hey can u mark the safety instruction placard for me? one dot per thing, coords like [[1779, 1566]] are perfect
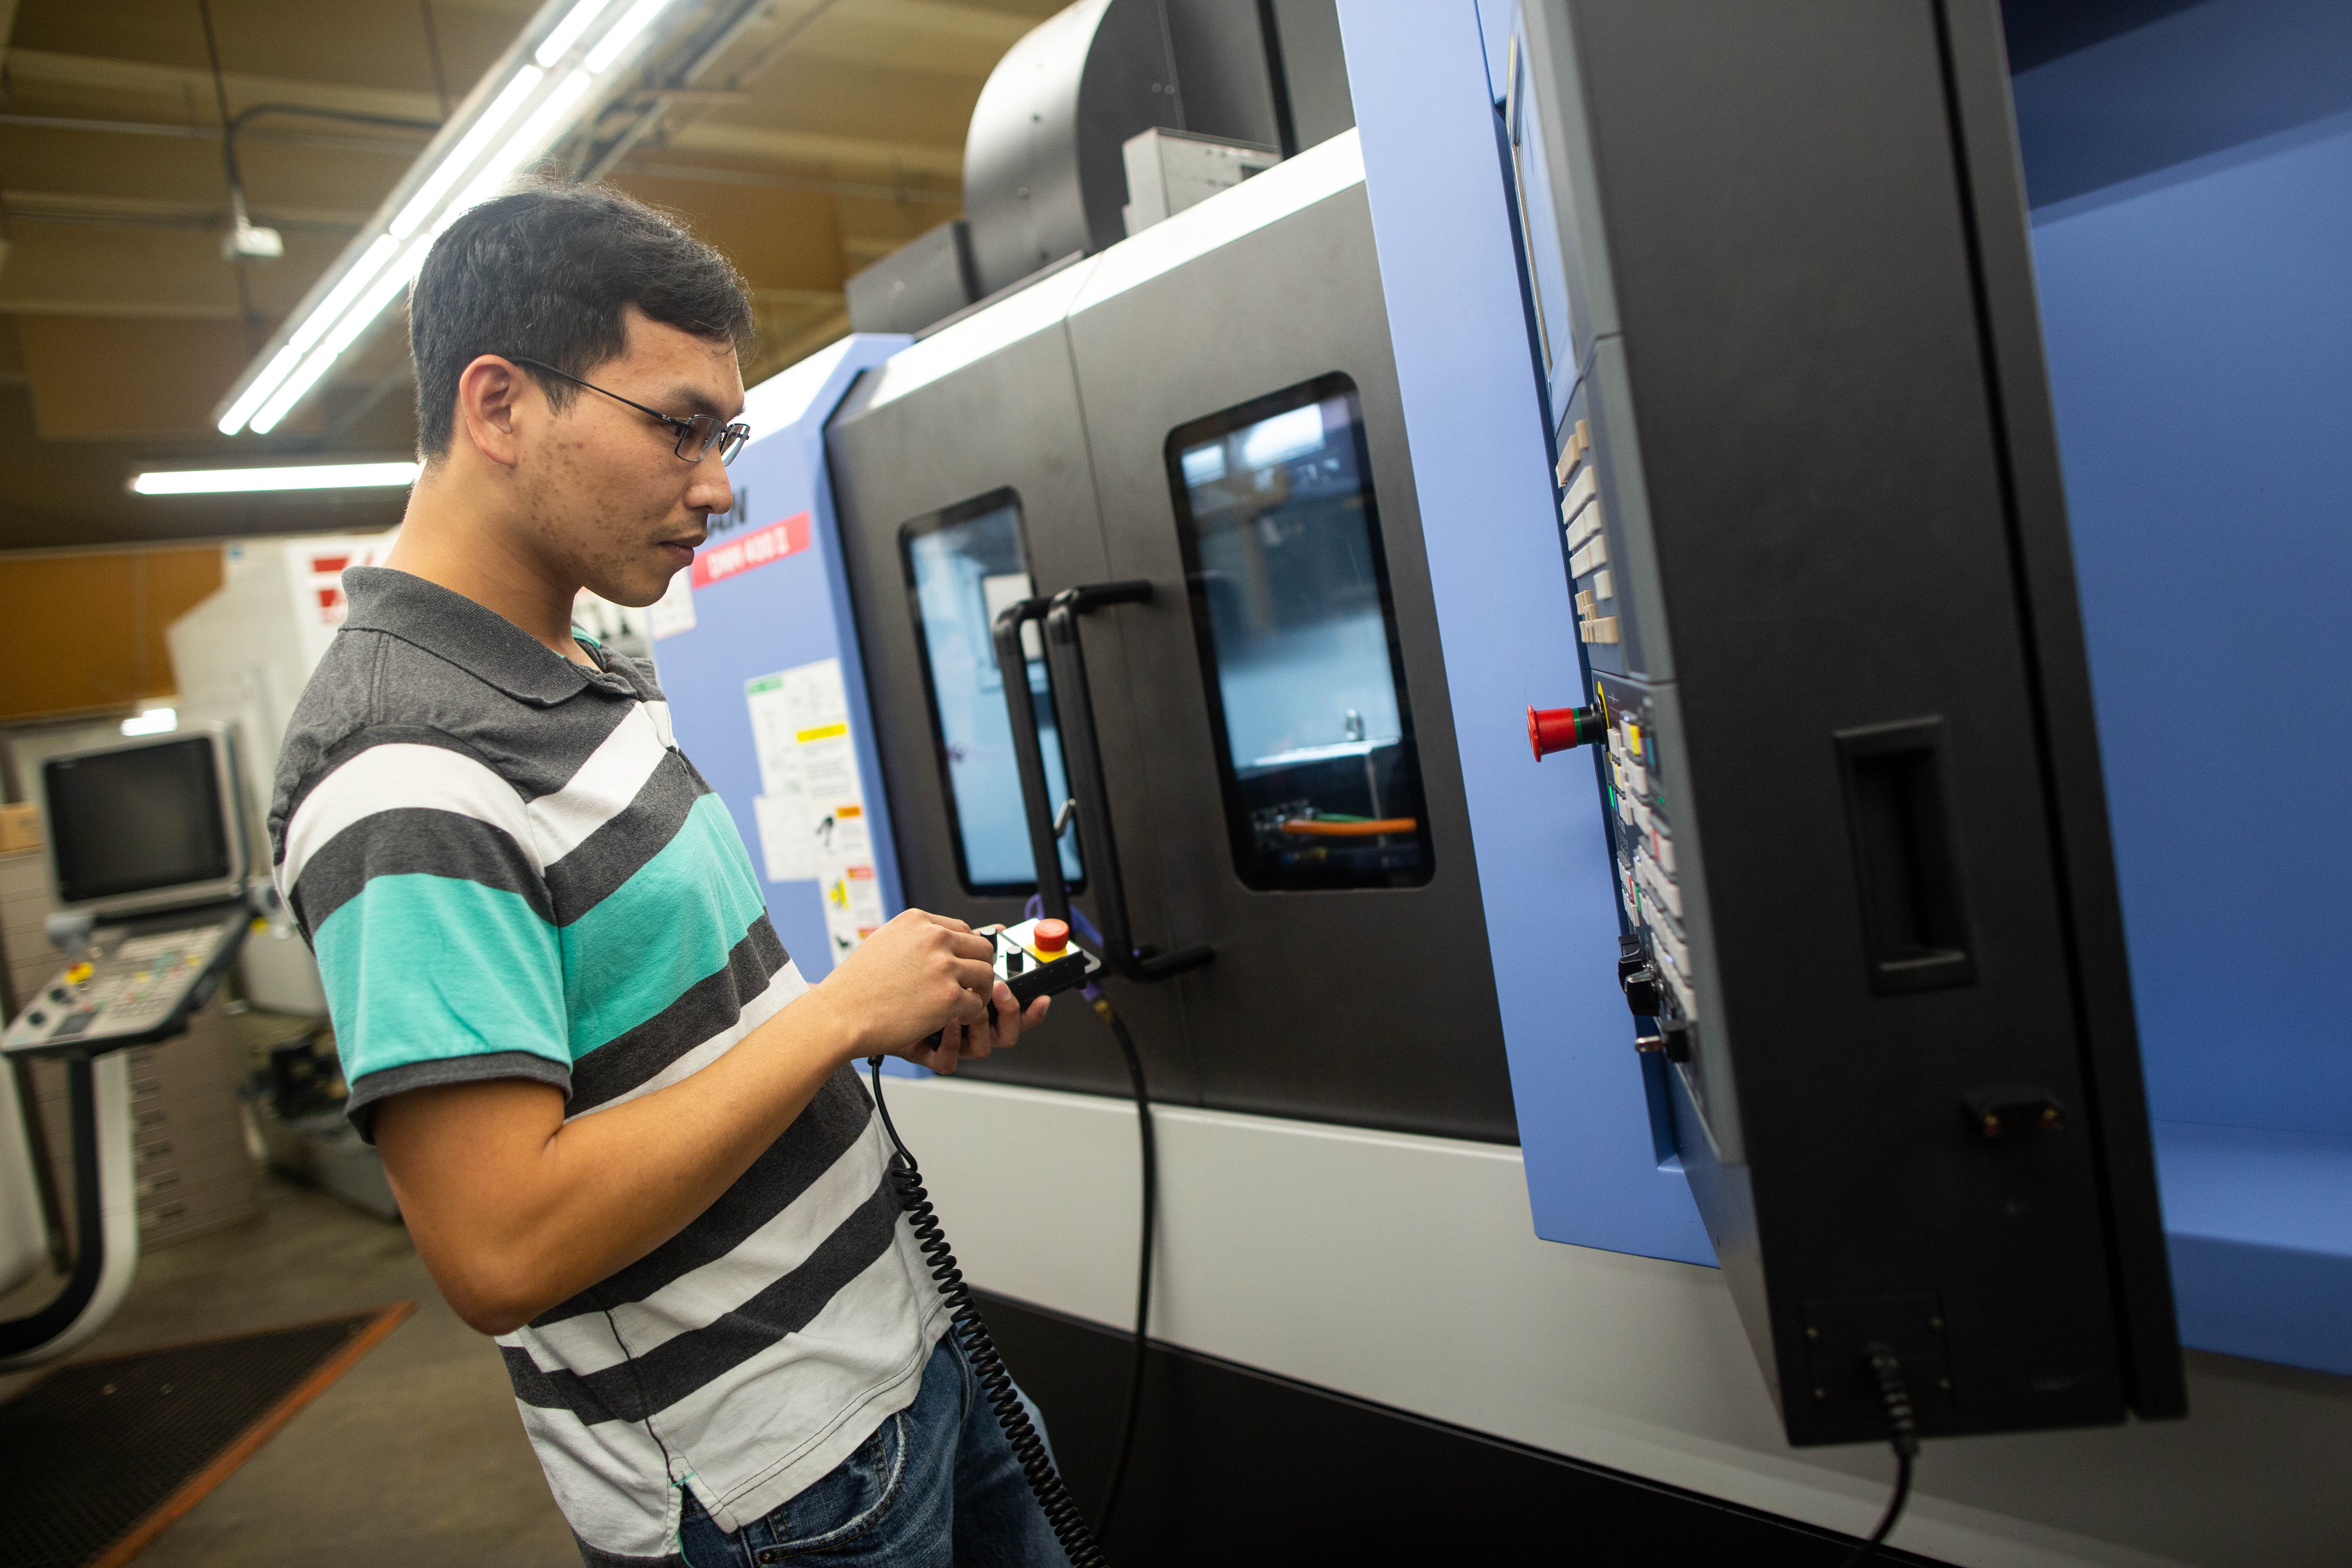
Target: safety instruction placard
[[811, 810]]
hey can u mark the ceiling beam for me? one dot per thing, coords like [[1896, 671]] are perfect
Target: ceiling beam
[[188, 93]]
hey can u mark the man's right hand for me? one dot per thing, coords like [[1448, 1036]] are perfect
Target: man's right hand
[[910, 979]]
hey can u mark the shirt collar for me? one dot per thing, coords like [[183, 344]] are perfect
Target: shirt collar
[[472, 637]]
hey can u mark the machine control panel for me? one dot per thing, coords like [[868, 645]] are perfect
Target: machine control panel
[[136, 984]]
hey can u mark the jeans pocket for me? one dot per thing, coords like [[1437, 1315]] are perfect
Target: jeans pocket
[[849, 1502]]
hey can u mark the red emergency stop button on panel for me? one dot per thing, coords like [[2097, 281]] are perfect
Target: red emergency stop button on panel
[[1052, 937], [1553, 729]]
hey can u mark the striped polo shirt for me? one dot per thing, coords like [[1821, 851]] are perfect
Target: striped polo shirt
[[509, 870]]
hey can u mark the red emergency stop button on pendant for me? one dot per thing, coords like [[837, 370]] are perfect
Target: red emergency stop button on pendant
[[1553, 729], [1051, 939]]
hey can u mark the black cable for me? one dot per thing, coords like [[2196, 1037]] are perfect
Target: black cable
[[1069, 1525], [1143, 1262], [233, 123], [1903, 1432]]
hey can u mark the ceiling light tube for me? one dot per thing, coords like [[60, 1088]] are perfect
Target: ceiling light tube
[[624, 31], [307, 477], [529, 141], [261, 386], [467, 156], [567, 32], [355, 322], [461, 157]]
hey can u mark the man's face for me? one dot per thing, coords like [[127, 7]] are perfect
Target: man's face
[[612, 504]]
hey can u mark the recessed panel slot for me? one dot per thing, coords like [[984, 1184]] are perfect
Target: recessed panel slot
[[1915, 923]]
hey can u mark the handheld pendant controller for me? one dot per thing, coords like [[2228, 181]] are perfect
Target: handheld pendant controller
[[1037, 958]]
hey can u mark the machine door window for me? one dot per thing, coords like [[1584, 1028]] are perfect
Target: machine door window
[[963, 565], [1298, 643]]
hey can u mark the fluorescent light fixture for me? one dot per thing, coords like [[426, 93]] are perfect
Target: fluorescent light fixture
[[461, 157], [515, 113], [625, 33], [529, 143], [567, 32], [272, 374], [306, 477], [356, 321], [152, 721]]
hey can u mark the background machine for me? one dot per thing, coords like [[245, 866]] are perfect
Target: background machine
[[150, 863]]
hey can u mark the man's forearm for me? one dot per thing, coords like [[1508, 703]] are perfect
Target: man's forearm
[[515, 1210]]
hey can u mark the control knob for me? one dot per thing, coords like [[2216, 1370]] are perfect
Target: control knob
[[1643, 994]]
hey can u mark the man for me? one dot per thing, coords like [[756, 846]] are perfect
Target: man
[[623, 1131]]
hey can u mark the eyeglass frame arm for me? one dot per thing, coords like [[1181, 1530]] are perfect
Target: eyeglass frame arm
[[685, 428]]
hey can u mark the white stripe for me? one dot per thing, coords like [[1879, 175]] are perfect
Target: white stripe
[[586, 1343], [397, 776], [782, 986], [764, 1433], [602, 789], [609, 1479], [659, 713]]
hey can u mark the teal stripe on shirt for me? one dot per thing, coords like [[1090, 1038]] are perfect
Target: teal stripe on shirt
[[422, 968], [672, 922]]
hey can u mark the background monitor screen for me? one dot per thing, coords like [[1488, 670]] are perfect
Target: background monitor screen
[[136, 820]]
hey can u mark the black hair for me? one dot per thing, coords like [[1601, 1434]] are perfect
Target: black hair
[[545, 274]]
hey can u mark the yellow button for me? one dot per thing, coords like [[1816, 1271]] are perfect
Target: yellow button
[[78, 973]]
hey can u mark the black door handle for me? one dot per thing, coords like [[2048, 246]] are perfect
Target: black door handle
[[1082, 754], [1029, 754]]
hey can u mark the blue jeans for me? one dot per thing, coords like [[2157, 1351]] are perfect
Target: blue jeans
[[936, 1487]]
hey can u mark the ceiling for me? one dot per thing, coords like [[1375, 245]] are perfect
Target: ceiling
[[830, 133]]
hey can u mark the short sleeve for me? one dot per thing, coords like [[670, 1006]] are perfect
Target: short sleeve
[[410, 867]]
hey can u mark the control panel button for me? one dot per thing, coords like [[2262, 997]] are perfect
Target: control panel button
[[1052, 937], [1553, 729]]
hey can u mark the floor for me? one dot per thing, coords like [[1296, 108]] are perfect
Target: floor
[[414, 1455]]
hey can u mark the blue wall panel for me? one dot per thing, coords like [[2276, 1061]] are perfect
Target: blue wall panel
[[2200, 350]]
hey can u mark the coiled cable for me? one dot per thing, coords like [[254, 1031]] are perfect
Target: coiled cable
[[1069, 1525]]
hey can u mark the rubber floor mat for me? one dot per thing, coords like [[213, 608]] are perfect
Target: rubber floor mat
[[102, 1454]]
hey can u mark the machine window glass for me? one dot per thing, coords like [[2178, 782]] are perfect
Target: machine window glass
[[963, 565], [1298, 643]]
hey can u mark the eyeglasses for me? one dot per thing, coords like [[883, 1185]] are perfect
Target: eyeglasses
[[696, 437]]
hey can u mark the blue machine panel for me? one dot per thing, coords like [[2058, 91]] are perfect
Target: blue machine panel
[[790, 610], [1597, 1174]]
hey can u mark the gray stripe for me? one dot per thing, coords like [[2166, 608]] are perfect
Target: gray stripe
[[648, 1383], [825, 1131], [374, 1089], [703, 1009], [620, 846], [413, 840]]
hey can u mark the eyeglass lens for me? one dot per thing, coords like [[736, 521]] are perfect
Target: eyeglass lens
[[703, 431]]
